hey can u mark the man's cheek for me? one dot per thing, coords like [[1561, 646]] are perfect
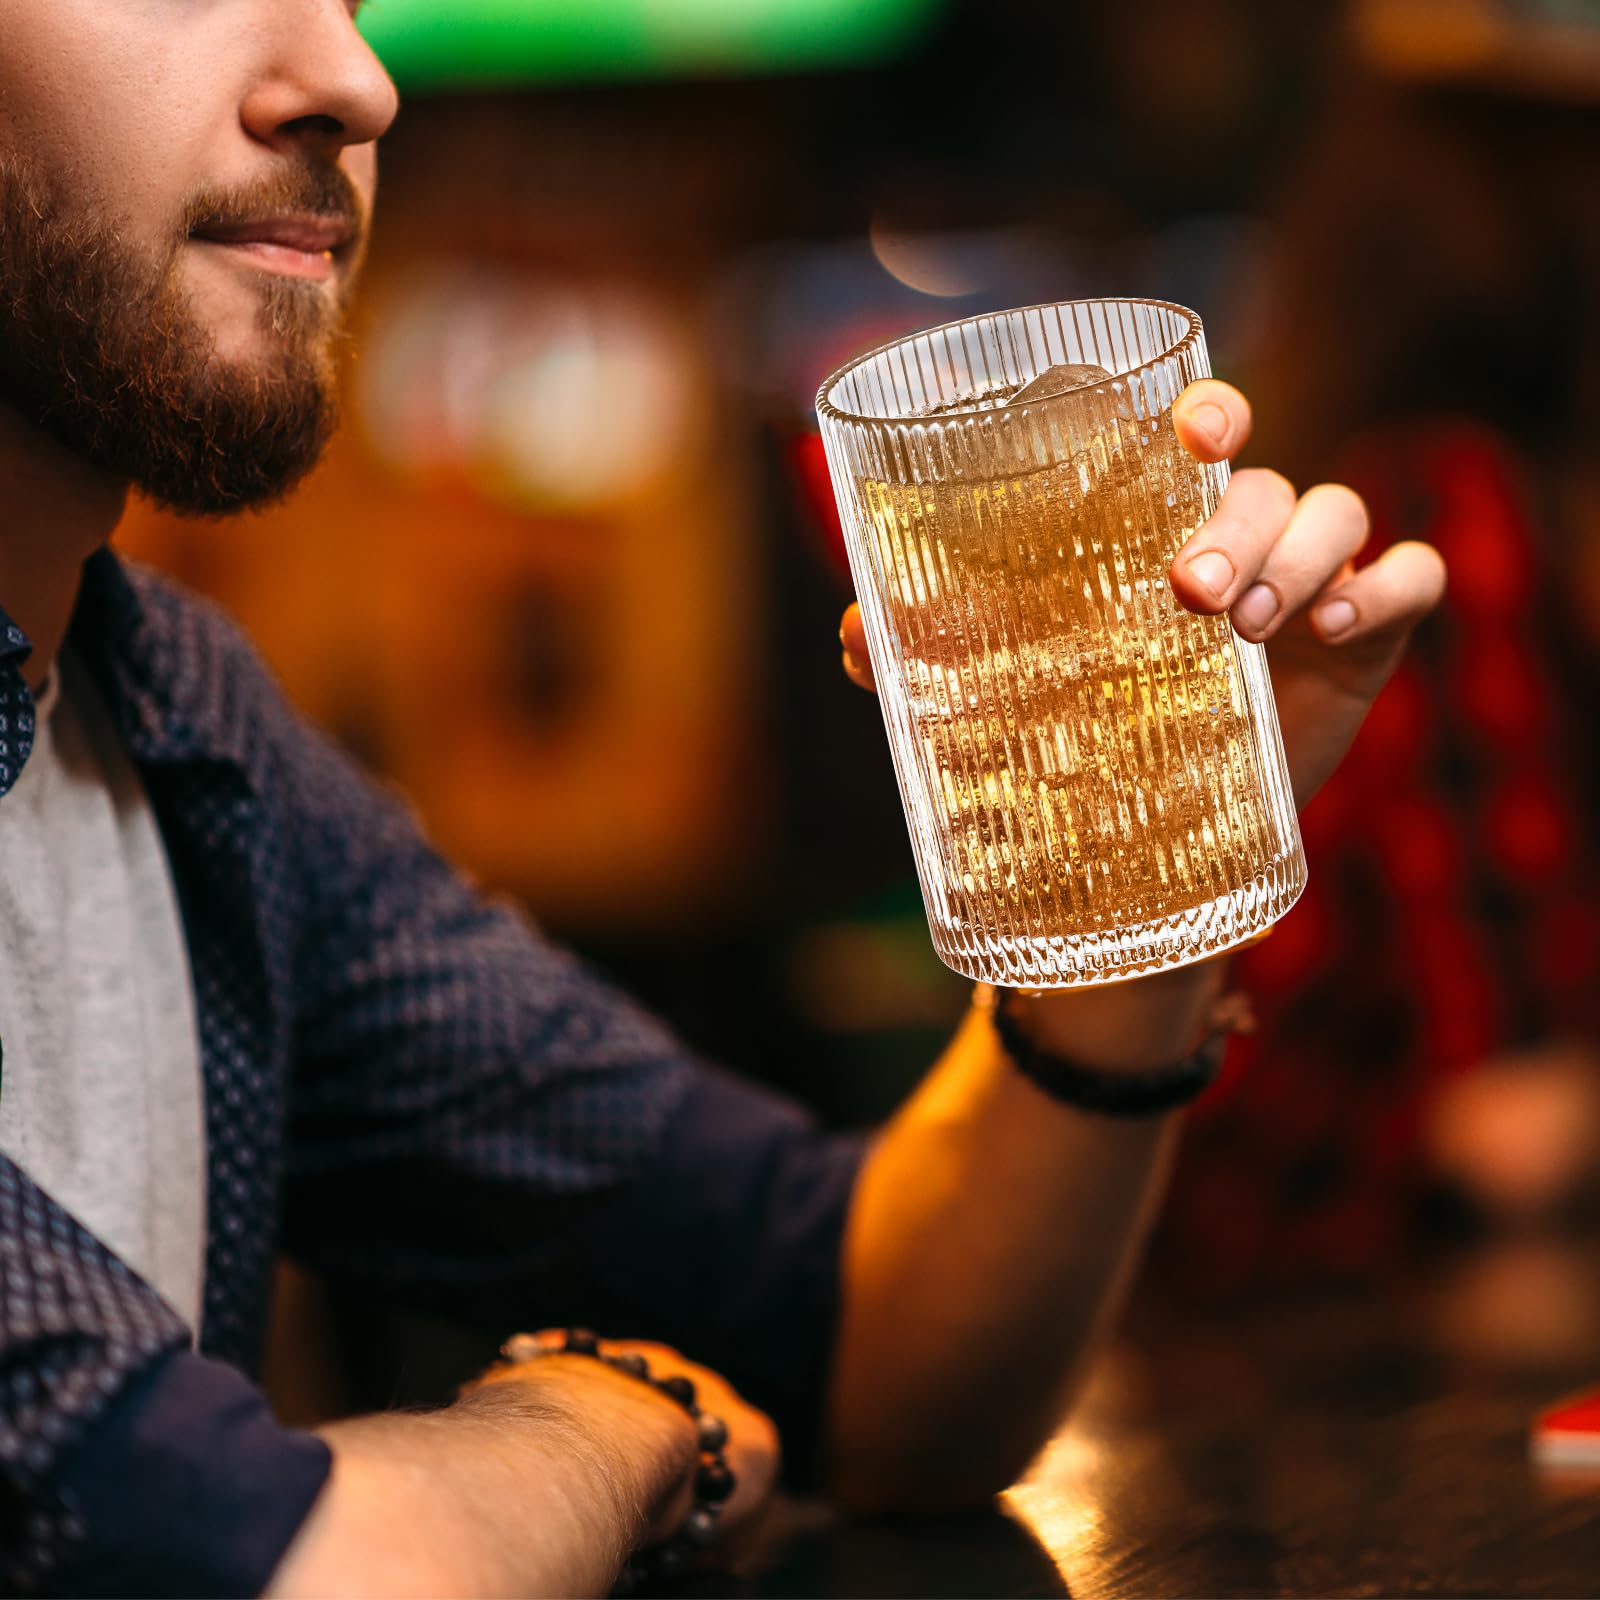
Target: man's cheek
[[360, 165]]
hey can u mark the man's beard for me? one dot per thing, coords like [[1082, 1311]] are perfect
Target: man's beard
[[101, 347]]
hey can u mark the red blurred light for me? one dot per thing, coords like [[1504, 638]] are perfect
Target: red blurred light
[[808, 462], [1421, 855], [1526, 828], [1394, 737], [1481, 527], [1564, 945], [1298, 944], [1497, 686]]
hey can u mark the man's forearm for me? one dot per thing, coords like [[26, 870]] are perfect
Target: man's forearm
[[508, 1492], [992, 1233]]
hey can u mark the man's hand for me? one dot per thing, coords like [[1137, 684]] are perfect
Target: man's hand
[[752, 1450], [539, 1480], [1283, 569]]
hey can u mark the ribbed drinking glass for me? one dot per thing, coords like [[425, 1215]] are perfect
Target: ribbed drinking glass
[[1093, 776]]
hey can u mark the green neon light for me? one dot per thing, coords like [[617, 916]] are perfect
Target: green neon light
[[435, 44]]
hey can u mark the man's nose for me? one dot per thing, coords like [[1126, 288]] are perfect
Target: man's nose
[[320, 82]]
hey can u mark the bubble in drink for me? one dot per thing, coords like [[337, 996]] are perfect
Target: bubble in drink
[[1062, 379]]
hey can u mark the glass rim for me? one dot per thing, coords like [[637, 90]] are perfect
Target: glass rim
[[827, 411]]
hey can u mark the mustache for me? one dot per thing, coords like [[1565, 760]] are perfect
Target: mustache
[[320, 191]]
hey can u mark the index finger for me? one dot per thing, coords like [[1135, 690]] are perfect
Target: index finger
[[1212, 420]]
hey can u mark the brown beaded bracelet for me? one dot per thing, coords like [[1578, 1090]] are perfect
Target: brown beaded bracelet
[[714, 1480]]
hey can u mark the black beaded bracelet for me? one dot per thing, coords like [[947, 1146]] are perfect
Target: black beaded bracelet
[[1110, 1094], [714, 1480]]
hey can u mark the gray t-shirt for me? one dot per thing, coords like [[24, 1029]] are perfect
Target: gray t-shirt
[[100, 1090]]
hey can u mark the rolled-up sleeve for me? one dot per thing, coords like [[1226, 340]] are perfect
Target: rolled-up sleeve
[[187, 1486], [127, 1464]]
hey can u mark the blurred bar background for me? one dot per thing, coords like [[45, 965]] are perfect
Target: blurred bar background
[[571, 576]]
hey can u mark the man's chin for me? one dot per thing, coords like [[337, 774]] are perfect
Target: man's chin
[[207, 488], [248, 313], [245, 434]]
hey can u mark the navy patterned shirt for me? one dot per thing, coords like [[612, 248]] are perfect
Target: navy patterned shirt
[[408, 1089]]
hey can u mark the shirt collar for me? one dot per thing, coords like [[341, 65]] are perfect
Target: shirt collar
[[157, 685]]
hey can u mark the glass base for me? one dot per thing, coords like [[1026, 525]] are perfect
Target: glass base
[[1079, 960]]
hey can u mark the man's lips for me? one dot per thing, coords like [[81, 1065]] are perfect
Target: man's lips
[[300, 246]]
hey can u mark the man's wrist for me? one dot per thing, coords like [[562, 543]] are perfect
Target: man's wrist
[[1133, 1026], [639, 1447]]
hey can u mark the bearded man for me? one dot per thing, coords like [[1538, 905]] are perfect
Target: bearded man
[[245, 1008]]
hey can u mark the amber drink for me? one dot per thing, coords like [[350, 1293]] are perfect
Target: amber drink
[[1092, 776]]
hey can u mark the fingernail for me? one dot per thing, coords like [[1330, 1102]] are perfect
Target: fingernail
[[850, 662], [1213, 571], [1255, 609], [1211, 420], [1336, 617]]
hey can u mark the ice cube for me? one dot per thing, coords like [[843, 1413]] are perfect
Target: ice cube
[[1059, 380]]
